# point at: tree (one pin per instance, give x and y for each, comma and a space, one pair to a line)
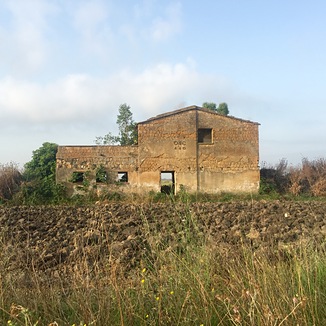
127, 129
39, 175
210, 106
43, 163
221, 109
127, 126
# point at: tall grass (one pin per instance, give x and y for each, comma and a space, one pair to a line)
191, 283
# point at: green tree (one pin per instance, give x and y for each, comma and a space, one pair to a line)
127, 129
43, 163
127, 126
39, 176
223, 109
210, 106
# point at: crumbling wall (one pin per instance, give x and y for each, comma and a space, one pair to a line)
205, 151
89, 159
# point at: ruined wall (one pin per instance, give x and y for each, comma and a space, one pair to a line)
168, 144
205, 151
88, 159
230, 162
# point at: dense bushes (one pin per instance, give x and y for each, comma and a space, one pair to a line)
36, 183
307, 179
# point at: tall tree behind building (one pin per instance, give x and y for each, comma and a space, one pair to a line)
127, 129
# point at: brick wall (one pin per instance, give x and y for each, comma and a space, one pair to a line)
169, 143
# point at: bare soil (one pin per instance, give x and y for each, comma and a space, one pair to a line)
48, 237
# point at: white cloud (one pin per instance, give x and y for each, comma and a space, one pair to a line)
81, 97
163, 28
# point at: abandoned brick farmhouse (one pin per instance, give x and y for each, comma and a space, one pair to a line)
191, 148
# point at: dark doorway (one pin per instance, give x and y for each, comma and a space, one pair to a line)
167, 182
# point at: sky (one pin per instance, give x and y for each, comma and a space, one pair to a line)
67, 65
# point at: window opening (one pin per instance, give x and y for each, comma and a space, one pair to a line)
101, 176
167, 182
205, 136
77, 177
122, 177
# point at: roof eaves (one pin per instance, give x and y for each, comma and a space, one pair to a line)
190, 108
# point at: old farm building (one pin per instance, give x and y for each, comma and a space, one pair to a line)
193, 148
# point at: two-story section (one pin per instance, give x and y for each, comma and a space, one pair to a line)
199, 150
193, 148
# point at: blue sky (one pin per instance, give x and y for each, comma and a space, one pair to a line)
67, 65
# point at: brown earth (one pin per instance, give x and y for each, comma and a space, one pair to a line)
47, 237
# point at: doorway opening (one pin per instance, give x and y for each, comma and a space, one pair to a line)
167, 182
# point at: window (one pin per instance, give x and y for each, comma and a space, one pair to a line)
77, 177
101, 175
122, 177
205, 136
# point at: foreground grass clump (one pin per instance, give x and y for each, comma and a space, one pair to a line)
192, 283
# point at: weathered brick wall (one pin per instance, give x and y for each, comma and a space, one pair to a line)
230, 163
85, 157
169, 143
88, 159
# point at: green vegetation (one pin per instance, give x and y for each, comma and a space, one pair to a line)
195, 284
127, 129
221, 109
36, 184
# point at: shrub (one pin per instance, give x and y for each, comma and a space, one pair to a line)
309, 179
10, 180
274, 178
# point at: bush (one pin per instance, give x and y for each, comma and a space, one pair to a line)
10, 180
39, 185
274, 179
309, 179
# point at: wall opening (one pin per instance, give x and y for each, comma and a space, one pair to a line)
205, 136
167, 182
122, 177
77, 177
101, 176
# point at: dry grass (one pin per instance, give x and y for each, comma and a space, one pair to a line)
199, 284
10, 180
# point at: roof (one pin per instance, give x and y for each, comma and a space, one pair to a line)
192, 108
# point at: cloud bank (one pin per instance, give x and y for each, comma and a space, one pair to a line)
81, 97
